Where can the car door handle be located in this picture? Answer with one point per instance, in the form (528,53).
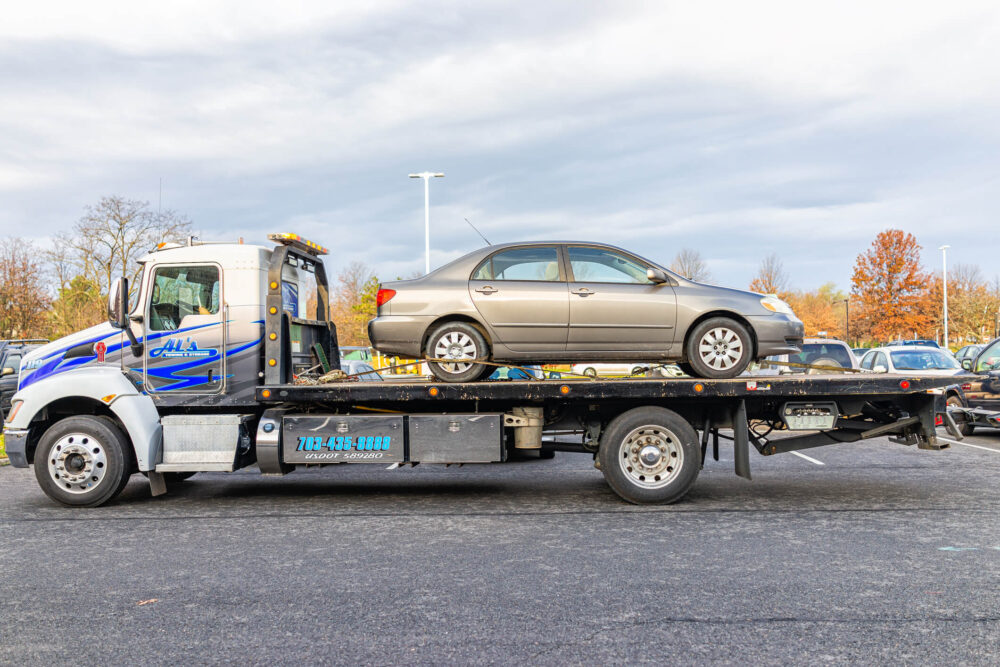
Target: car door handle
(583,291)
(487,289)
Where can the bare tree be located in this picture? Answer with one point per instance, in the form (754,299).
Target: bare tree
(23,297)
(771,277)
(689,263)
(110,237)
(354,303)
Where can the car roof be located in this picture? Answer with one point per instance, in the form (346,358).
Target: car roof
(908,348)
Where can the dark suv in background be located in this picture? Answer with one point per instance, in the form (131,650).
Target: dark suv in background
(11,352)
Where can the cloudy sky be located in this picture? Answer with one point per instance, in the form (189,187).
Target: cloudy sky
(735,128)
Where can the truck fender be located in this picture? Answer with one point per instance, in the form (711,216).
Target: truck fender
(109,386)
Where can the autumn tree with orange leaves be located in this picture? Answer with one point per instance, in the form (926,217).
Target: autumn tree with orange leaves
(890,288)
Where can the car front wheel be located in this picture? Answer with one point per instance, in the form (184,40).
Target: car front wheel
(458,346)
(719,348)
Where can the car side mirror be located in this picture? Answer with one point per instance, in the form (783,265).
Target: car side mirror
(880,369)
(118,303)
(657,276)
(7,371)
(967,364)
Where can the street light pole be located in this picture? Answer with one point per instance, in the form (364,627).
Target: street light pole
(944,285)
(427,176)
(847,320)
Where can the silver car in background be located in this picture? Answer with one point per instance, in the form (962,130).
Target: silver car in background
(570,302)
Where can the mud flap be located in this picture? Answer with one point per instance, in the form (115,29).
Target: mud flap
(157,485)
(741,441)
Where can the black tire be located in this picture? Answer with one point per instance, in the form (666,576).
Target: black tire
(459,333)
(965,428)
(668,478)
(719,330)
(590,372)
(78,449)
(640,371)
(685,368)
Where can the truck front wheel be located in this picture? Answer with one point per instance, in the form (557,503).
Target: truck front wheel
(83,461)
(650,455)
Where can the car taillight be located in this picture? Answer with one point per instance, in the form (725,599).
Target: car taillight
(383,296)
(967,387)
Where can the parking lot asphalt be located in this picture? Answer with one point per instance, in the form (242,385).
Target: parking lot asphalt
(868,552)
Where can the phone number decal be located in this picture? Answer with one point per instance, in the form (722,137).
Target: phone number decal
(344,443)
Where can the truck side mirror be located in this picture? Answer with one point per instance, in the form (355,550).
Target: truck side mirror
(7,371)
(967,364)
(118,303)
(657,276)
(118,313)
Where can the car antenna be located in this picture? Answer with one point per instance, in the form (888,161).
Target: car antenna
(479,232)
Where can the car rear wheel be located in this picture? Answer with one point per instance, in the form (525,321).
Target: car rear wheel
(462,345)
(719,348)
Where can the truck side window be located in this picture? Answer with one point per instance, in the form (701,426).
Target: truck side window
(179,291)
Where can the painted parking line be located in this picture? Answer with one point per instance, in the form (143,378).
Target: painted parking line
(966,444)
(809,458)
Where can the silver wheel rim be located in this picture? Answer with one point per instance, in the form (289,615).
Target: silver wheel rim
(720,348)
(651,456)
(78,463)
(455,345)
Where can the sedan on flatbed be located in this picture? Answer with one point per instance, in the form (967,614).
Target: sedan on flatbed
(571,302)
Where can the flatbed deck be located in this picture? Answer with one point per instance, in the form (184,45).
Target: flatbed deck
(813,387)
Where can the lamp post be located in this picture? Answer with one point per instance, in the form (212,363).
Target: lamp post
(944,286)
(427,176)
(847,319)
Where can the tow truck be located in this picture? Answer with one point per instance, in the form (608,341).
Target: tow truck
(223,362)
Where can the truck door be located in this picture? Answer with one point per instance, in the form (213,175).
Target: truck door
(185,333)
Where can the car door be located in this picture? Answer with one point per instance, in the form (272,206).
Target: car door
(8,383)
(521,294)
(613,306)
(185,340)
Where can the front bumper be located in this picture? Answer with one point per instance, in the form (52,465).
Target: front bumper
(398,334)
(16,443)
(777,334)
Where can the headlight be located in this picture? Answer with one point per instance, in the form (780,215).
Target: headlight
(776,305)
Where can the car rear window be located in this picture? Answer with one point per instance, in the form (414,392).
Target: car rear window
(825,352)
(923,360)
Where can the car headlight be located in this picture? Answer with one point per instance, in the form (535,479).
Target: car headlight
(776,305)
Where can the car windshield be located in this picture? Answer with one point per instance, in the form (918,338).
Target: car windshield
(989,359)
(923,360)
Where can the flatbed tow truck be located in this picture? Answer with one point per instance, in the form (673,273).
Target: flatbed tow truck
(216,368)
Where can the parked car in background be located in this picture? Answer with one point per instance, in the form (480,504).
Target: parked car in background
(356,353)
(968,352)
(912,360)
(613,370)
(574,302)
(363,370)
(859,352)
(828,352)
(11,352)
(919,342)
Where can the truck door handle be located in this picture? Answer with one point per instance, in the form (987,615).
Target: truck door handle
(487,289)
(583,291)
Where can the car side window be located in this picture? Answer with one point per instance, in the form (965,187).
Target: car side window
(599,265)
(868,361)
(179,291)
(880,360)
(540,264)
(13,361)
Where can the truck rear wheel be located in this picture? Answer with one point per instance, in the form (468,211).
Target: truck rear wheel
(650,455)
(83,461)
